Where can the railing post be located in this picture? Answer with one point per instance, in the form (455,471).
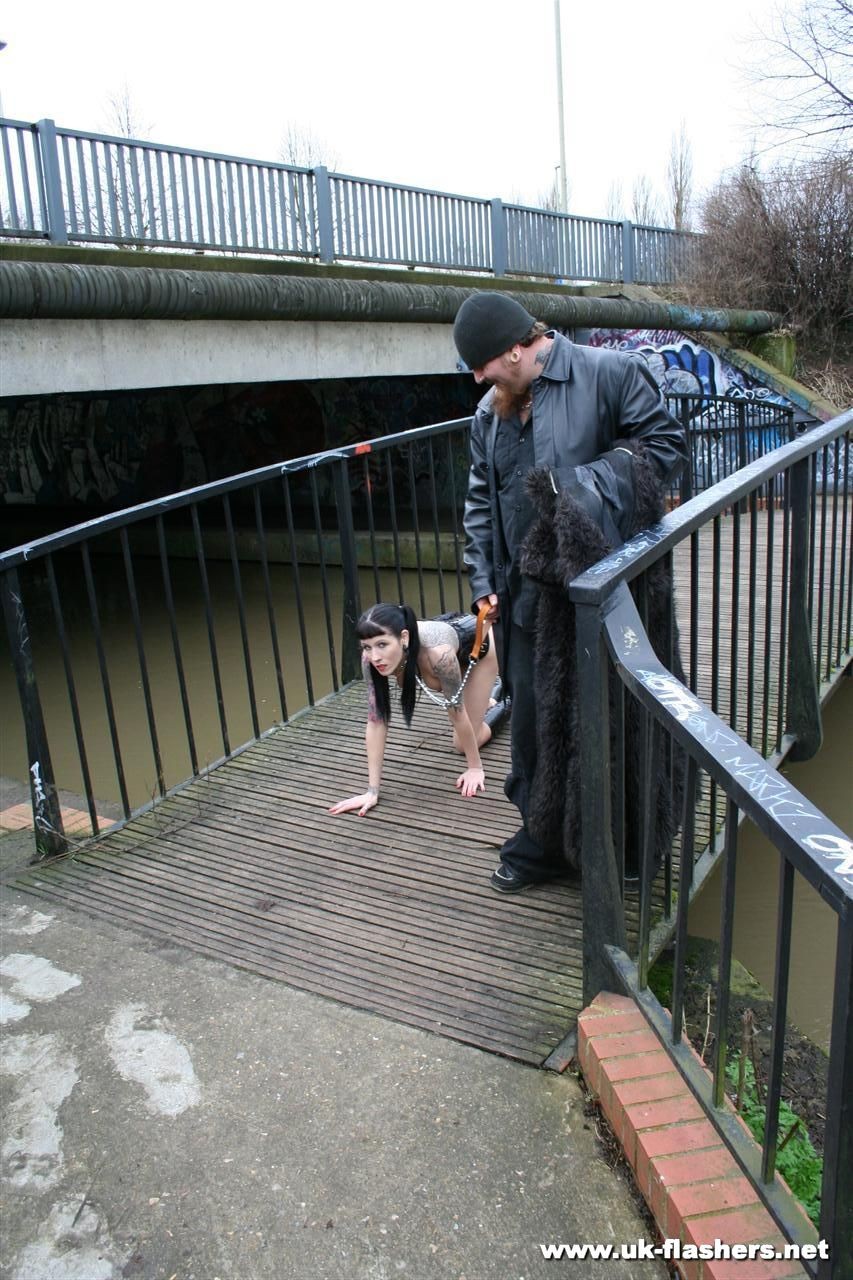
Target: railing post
(325,225)
(803,712)
(500,256)
(57,232)
(742,454)
(836,1223)
(350,647)
(49,832)
(687,478)
(603,915)
(628,266)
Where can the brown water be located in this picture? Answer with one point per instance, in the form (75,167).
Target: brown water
(826,780)
(125,674)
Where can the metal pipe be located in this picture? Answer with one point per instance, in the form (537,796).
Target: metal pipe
(558,41)
(58,290)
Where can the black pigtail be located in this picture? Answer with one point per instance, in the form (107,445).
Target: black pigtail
(409,690)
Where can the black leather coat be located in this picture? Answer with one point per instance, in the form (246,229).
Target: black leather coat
(584,402)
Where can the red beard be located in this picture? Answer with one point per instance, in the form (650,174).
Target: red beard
(507,403)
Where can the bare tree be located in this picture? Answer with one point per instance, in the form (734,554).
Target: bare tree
(805,71)
(124,117)
(302,148)
(550,200)
(615,206)
(119,185)
(783,240)
(679,179)
(644,205)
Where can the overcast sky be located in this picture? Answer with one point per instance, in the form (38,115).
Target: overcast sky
(457,95)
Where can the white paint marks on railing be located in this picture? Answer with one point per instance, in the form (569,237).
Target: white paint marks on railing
(782,801)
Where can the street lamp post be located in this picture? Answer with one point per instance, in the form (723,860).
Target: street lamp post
(558,40)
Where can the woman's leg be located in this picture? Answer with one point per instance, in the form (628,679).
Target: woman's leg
(477,693)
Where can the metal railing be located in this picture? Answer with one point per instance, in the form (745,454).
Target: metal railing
(764,578)
(724,434)
(61,185)
(371,509)
(226,564)
(766,616)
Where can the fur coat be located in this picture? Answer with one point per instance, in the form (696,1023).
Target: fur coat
(563,540)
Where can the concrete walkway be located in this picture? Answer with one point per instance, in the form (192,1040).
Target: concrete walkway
(165,1116)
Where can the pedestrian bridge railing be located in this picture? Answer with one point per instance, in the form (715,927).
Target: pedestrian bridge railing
(767,552)
(62,185)
(270,567)
(227,609)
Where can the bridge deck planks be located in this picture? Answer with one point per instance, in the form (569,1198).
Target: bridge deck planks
(391,913)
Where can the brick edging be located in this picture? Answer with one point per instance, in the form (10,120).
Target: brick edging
(688,1177)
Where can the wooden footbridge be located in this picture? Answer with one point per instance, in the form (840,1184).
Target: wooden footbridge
(392,913)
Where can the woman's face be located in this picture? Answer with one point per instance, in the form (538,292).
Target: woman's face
(385,651)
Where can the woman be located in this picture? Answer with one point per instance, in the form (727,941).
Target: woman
(430,657)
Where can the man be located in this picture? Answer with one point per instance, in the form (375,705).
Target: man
(580,412)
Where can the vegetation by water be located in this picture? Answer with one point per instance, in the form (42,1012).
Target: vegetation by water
(804,1071)
(796,1159)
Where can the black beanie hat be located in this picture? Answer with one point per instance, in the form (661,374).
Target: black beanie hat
(487,324)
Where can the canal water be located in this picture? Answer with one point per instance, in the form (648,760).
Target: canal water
(305,663)
(826,780)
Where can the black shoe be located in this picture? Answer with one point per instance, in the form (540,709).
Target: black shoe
(505,880)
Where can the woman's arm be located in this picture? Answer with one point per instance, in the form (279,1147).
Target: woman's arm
(445,665)
(375,736)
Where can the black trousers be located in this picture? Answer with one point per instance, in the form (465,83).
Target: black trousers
(521,852)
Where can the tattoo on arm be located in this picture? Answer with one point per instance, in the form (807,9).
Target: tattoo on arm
(373,715)
(446,667)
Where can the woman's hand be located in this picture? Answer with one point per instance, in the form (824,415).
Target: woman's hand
(471,781)
(362,804)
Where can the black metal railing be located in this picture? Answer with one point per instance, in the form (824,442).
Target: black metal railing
(725,433)
(230,564)
(228,608)
(765,618)
(261,575)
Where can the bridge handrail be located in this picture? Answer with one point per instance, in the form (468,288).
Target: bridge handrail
(810,641)
(78,533)
(635,556)
(718,748)
(678,727)
(65,189)
(810,844)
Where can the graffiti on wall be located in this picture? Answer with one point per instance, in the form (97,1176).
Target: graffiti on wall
(681,365)
(723,437)
(114,450)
